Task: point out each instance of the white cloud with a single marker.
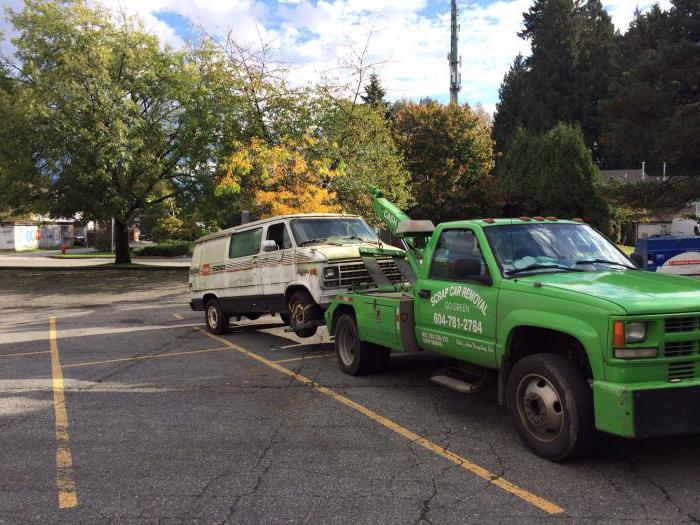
(408, 36)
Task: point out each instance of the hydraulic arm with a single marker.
(413, 233)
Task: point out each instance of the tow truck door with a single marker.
(455, 306)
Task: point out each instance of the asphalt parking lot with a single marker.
(115, 405)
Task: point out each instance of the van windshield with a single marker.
(334, 230)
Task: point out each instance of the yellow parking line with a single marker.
(495, 479)
(178, 317)
(173, 354)
(302, 358)
(25, 353)
(65, 482)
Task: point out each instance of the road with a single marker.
(45, 260)
(115, 405)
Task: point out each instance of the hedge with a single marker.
(166, 249)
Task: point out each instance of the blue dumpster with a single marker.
(669, 254)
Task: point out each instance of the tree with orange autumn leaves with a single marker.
(279, 179)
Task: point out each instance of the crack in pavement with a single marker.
(273, 441)
(663, 491)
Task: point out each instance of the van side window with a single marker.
(245, 243)
(279, 234)
(457, 257)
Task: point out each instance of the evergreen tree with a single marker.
(553, 174)
(512, 108)
(565, 76)
(374, 92)
(653, 113)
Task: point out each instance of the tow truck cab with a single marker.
(575, 334)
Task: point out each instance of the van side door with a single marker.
(276, 265)
(244, 293)
(455, 305)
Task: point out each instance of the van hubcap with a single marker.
(540, 407)
(212, 316)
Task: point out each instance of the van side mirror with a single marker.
(269, 246)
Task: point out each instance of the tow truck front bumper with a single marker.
(651, 409)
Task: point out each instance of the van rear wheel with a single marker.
(215, 318)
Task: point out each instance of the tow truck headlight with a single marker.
(628, 332)
(330, 272)
(635, 332)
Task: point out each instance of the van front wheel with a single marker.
(302, 310)
(215, 318)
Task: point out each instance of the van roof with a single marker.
(247, 225)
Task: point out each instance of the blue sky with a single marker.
(409, 37)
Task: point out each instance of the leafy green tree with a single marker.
(448, 151)
(374, 92)
(565, 77)
(653, 113)
(553, 174)
(171, 228)
(357, 139)
(117, 124)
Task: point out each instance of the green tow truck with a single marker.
(575, 335)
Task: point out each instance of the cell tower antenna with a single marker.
(453, 57)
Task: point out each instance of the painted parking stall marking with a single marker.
(142, 357)
(65, 481)
(527, 496)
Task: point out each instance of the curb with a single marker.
(110, 267)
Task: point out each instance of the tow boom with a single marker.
(413, 232)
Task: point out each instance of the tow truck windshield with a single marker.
(332, 230)
(552, 247)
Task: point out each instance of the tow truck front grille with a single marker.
(354, 273)
(682, 324)
(683, 370)
(678, 348)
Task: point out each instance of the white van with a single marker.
(293, 265)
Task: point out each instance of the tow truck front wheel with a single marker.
(551, 406)
(354, 356)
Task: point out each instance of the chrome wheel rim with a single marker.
(540, 407)
(346, 346)
(212, 316)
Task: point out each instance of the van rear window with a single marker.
(245, 243)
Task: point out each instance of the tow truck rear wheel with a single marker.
(355, 357)
(551, 406)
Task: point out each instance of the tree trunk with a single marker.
(121, 242)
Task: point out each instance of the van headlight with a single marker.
(635, 332)
(330, 273)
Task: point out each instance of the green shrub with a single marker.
(170, 248)
(169, 228)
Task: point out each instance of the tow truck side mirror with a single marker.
(470, 270)
(637, 259)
